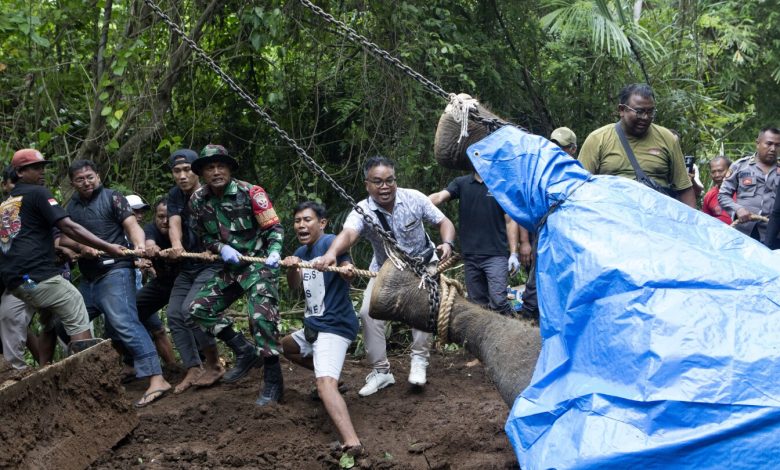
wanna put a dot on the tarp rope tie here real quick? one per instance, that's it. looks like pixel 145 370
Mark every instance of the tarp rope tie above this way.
pixel 753 218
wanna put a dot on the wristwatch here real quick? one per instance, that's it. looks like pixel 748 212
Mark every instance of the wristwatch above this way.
pixel 451 244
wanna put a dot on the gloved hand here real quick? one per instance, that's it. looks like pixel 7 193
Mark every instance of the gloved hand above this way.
pixel 272 261
pixel 513 264
pixel 229 254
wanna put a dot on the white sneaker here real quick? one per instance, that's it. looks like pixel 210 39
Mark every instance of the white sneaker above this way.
pixel 376 381
pixel 417 371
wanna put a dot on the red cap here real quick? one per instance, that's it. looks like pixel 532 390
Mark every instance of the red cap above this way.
pixel 25 157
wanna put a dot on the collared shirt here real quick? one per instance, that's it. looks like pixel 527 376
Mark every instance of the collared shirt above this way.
pixel 755 191
pixel 411 209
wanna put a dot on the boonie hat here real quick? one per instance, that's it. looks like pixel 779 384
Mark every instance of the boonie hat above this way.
pixel 136 202
pixel 564 136
pixel 213 153
pixel 182 156
pixel 25 157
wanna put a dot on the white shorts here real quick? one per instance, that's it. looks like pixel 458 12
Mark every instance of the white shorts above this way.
pixel 329 351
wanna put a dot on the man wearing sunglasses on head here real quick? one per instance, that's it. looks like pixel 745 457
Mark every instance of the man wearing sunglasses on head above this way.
pixel 636 148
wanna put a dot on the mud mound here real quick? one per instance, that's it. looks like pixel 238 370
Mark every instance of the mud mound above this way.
pixel 65 415
pixel 455 422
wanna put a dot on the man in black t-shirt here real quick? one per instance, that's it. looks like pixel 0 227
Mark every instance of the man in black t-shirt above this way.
pixel 154 294
pixel 488 241
pixel 108 284
pixel 27 257
pixel 188 337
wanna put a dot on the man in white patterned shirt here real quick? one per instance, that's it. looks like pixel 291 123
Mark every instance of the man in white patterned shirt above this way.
pixel 401 212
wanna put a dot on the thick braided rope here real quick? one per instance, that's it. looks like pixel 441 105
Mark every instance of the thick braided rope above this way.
pixel 206 256
pixel 753 218
pixel 449 288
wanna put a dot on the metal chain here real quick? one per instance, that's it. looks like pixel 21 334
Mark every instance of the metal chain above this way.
pixel 491 123
pixel 417 265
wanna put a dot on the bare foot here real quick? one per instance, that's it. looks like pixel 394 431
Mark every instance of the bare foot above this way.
pixel 193 373
pixel 210 376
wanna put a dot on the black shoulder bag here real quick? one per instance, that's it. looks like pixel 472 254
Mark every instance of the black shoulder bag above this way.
pixel 640 174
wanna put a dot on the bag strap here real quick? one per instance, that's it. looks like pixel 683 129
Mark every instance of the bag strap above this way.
pixel 383 221
pixel 640 174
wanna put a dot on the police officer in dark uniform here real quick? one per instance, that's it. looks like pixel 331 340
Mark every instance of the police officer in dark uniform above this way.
pixel 754 179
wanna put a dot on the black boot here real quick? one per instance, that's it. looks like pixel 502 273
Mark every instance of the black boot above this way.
pixel 246 356
pixel 273 387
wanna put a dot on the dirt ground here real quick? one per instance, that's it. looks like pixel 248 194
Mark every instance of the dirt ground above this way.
pixel 455 422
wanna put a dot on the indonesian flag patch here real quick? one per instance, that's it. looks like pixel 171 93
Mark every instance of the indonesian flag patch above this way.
pixel 52 201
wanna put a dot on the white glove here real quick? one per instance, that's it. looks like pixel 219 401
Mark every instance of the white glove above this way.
pixel 513 264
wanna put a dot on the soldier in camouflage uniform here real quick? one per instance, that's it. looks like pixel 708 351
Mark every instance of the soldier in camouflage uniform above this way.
pixel 235 218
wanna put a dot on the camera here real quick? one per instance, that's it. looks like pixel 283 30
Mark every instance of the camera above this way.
pixel 689 161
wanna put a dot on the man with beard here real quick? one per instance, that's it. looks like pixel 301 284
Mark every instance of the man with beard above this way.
pixel 655 148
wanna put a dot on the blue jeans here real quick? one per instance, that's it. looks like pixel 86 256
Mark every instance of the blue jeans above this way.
pixel 114 295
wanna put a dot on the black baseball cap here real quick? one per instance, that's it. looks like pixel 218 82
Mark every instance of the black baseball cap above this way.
pixel 182 156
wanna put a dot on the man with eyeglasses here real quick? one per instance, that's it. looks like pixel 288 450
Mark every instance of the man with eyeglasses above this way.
pixel 401 212
pixel 656 150
pixel 108 283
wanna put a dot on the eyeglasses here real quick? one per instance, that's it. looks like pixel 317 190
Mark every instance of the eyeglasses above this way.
pixel 84 179
pixel 379 183
pixel 648 113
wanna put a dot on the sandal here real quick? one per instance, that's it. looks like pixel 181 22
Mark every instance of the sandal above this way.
pixel 150 397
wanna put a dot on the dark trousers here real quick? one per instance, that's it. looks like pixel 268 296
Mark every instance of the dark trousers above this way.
pixel 530 302
pixel 486 278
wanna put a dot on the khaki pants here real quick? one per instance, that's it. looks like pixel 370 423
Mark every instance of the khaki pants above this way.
pixel 57 296
pixel 374 337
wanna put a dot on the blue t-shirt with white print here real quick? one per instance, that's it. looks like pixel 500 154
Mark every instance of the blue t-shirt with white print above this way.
pixel 328 306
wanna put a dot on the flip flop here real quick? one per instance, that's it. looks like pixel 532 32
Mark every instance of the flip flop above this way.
pixel 160 393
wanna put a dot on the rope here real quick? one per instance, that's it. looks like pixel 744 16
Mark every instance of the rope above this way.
pixel 209 257
pixel 753 218
pixel 307 160
pixel 449 288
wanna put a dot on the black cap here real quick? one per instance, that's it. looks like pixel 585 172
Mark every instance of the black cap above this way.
pixel 182 156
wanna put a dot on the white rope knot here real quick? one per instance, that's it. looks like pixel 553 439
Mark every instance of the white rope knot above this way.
pixel 459 108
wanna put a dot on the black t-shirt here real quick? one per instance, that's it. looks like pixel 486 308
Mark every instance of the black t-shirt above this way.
pixel 166 270
pixel 102 215
pixel 178 204
pixel 482 224
pixel 26 240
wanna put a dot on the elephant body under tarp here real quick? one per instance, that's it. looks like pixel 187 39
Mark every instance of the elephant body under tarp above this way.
pixel 660 325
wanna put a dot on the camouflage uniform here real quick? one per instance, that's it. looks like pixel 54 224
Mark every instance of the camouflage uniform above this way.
pixel 244 219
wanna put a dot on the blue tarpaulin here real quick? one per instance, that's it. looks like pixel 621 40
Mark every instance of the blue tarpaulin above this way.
pixel 660 324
